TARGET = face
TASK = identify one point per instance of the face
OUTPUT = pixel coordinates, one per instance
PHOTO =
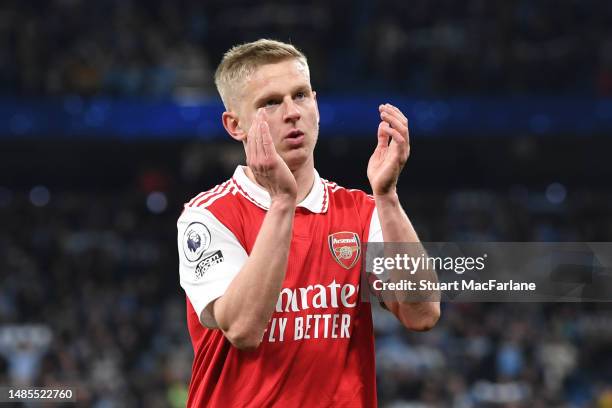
(283, 90)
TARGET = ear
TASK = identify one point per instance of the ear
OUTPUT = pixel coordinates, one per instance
(232, 126)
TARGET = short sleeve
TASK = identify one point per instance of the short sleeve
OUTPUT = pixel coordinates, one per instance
(373, 251)
(210, 256)
(375, 234)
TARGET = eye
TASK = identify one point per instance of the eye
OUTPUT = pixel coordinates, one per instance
(271, 102)
(300, 95)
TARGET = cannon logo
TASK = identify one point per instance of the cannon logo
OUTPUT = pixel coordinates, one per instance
(345, 248)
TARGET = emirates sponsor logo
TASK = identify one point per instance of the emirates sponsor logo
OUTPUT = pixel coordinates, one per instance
(345, 248)
(317, 296)
(314, 312)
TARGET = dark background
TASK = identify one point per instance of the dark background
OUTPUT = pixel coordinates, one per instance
(88, 237)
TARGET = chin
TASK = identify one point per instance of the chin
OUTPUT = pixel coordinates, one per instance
(296, 158)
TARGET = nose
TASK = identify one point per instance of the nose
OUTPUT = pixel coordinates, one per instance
(292, 112)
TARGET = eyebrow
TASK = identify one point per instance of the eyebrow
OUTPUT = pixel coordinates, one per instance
(271, 95)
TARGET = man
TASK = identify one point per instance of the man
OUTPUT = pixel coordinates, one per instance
(270, 260)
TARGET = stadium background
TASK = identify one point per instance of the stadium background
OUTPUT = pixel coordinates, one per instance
(109, 121)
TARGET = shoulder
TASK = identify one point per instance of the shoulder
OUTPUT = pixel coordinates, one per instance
(221, 192)
(218, 203)
(339, 192)
(223, 207)
(213, 212)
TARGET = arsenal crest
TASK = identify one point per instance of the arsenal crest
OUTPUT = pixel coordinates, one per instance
(345, 248)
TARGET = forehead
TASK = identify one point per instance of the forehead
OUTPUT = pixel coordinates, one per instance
(278, 77)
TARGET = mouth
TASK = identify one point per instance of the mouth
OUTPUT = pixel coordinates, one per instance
(295, 137)
(294, 133)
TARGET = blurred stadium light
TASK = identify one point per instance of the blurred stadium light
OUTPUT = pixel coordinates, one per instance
(79, 117)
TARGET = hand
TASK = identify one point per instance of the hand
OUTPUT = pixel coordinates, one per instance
(388, 159)
(269, 169)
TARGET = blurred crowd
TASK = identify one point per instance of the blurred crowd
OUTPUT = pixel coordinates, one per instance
(89, 292)
(163, 48)
(89, 298)
(100, 273)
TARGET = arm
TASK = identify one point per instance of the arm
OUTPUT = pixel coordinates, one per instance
(384, 168)
(244, 310)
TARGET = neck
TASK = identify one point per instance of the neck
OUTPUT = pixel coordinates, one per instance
(304, 178)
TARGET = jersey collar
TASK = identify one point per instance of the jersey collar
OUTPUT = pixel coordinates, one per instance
(316, 201)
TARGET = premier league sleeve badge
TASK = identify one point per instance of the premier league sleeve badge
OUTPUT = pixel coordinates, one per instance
(196, 240)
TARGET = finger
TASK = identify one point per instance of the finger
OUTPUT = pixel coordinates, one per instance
(249, 145)
(260, 149)
(383, 136)
(252, 139)
(255, 124)
(399, 113)
(266, 141)
(393, 110)
(268, 148)
(394, 122)
(264, 134)
(396, 136)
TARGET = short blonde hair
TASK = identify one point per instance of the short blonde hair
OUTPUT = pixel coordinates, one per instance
(241, 61)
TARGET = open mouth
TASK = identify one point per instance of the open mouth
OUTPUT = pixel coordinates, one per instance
(294, 134)
(295, 138)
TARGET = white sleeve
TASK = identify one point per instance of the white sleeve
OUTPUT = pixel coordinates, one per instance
(210, 256)
(374, 251)
(375, 234)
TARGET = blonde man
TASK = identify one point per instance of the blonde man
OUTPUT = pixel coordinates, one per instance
(270, 259)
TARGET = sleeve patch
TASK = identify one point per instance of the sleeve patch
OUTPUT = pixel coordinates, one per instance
(196, 240)
(213, 259)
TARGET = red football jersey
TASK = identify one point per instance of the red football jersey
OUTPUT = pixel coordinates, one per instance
(318, 349)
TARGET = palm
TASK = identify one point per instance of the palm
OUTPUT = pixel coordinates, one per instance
(268, 168)
(391, 153)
